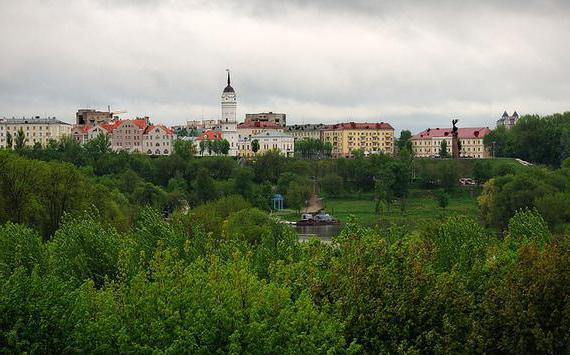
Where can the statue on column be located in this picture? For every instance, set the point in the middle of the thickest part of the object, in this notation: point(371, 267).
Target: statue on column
point(455, 143)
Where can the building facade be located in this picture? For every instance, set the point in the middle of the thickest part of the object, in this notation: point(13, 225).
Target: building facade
point(127, 135)
point(37, 130)
point(277, 118)
point(201, 124)
point(158, 140)
point(92, 117)
point(268, 140)
point(130, 135)
point(304, 131)
point(427, 144)
point(252, 128)
point(508, 121)
point(228, 123)
point(370, 138)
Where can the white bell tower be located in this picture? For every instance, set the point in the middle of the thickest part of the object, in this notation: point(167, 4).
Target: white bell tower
point(228, 122)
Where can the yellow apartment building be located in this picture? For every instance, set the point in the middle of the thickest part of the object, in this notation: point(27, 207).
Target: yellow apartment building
point(36, 129)
point(370, 138)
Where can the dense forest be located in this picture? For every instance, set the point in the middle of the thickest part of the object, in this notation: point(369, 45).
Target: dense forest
point(114, 252)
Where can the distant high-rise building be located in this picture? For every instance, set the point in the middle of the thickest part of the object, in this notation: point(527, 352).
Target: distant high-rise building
point(277, 118)
point(508, 121)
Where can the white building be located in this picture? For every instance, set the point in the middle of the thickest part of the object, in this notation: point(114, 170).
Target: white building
point(36, 129)
point(252, 128)
point(228, 123)
point(268, 140)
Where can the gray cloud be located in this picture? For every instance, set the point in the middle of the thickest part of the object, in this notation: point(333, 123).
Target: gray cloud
point(410, 63)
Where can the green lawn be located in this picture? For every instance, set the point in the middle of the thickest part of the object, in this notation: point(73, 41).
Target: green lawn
point(421, 206)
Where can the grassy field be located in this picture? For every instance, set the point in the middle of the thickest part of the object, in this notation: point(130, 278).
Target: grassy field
point(420, 206)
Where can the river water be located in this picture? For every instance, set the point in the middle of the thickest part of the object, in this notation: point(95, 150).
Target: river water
point(324, 233)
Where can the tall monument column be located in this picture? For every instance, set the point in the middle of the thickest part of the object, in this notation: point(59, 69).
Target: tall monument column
point(455, 143)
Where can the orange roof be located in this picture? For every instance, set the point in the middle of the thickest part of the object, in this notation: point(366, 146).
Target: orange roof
point(467, 132)
point(109, 127)
point(210, 135)
point(166, 129)
point(142, 124)
point(258, 124)
point(355, 125)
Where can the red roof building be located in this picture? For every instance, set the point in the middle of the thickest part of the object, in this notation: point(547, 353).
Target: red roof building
point(427, 143)
point(210, 135)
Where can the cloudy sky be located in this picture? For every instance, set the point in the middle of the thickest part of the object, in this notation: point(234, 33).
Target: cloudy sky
point(411, 63)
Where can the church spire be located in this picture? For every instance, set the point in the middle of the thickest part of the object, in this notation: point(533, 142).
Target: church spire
point(229, 87)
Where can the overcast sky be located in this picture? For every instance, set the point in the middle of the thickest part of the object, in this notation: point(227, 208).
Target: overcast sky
point(411, 63)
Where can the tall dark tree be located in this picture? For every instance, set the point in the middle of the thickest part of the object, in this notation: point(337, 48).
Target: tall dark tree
point(20, 141)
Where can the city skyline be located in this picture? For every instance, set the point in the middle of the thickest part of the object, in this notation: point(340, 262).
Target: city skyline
point(412, 65)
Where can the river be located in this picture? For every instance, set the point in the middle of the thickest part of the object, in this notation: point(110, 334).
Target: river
point(324, 233)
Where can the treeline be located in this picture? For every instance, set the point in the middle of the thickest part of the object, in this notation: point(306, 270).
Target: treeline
point(128, 181)
point(225, 278)
point(546, 190)
point(540, 140)
point(39, 194)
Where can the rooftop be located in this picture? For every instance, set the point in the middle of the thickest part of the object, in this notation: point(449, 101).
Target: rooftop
point(305, 127)
point(271, 134)
point(467, 132)
point(209, 135)
point(259, 124)
point(359, 125)
point(33, 120)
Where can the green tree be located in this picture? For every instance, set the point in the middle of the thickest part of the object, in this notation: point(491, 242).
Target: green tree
point(442, 199)
point(84, 249)
point(99, 146)
point(332, 184)
point(224, 147)
point(357, 153)
point(204, 186)
point(185, 149)
point(9, 140)
point(443, 152)
point(254, 146)
point(20, 140)
point(298, 194)
point(19, 187)
point(405, 140)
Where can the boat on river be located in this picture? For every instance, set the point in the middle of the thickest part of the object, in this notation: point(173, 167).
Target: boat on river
point(317, 219)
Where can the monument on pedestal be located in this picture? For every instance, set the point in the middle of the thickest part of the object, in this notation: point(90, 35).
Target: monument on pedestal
point(455, 143)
